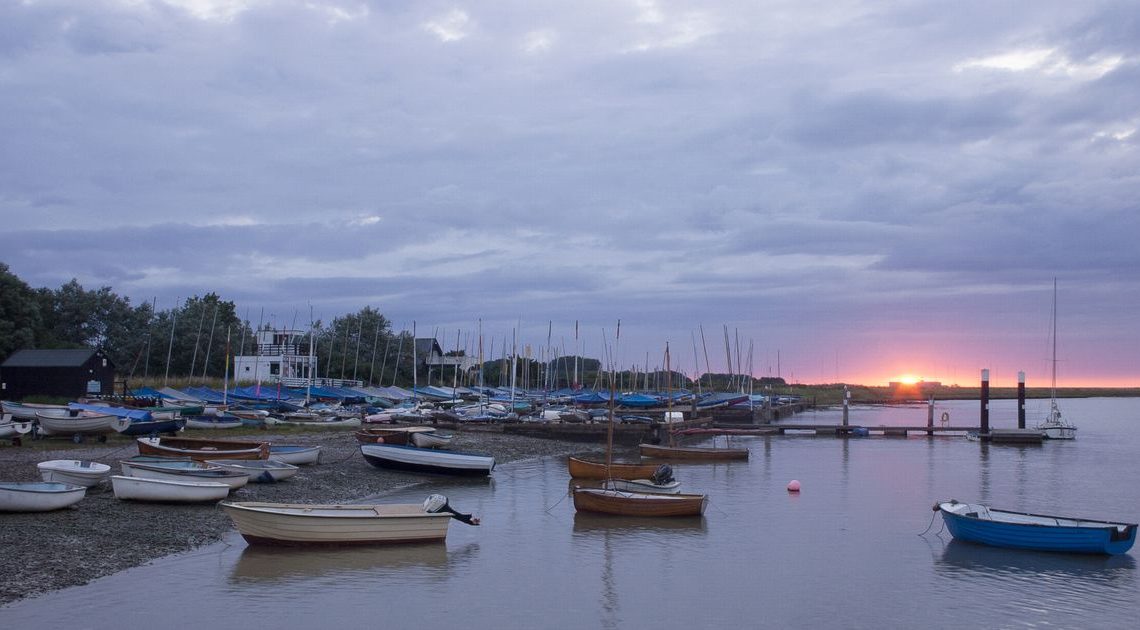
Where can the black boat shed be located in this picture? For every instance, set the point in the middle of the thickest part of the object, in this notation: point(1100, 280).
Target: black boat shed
point(58, 373)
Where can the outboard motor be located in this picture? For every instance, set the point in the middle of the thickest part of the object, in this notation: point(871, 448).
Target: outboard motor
point(663, 474)
point(438, 503)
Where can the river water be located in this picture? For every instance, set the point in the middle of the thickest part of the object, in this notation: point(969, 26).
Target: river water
point(844, 553)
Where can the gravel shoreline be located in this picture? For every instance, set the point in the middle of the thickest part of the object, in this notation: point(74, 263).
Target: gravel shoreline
point(102, 535)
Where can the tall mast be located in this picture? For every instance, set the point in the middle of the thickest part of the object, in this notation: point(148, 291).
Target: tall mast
point(1053, 386)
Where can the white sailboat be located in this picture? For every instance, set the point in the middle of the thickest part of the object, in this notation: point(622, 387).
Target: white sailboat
point(1054, 427)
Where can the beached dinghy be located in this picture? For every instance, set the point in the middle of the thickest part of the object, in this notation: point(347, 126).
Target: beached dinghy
point(300, 524)
point(427, 460)
point(74, 422)
point(296, 454)
point(38, 496)
point(201, 449)
point(74, 472)
point(432, 439)
point(259, 470)
point(186, 470)
point(167, 491)
point(10, 428)
point(1001, 528)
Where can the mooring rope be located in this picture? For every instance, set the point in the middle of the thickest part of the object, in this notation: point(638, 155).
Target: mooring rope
point(932, 516)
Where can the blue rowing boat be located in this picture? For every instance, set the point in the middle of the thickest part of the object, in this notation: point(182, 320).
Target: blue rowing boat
point(1001, 528)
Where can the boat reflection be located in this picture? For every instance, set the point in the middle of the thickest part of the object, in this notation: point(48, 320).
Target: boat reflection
point(270, 564)
point(587, 523)
point(967, 560)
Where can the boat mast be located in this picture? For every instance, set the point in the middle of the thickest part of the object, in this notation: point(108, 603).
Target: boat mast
point(1053, 385)
point(226, 379)
point(669, 395)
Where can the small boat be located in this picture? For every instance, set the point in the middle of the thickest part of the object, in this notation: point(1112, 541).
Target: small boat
point(1001, 528)
point(128, 426)
point(291, 524)
point(314, 421)
point(296, 454)
point(167, 491)
point(702, 453)
point(187, 470)
point(1054, 427)
point(202, 449)
point(416, 459)
point(432, 439)
point(38, 496)
point(26, 411)
point(74, 422)
point(662, 482)
point(621, 503)
point(259, 470)
point(11, 428)
point(389, 435)
point(74, 472)
point(213, 422)
point(586, 469)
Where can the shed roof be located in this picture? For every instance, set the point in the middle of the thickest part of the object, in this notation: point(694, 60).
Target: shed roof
point(48, 358)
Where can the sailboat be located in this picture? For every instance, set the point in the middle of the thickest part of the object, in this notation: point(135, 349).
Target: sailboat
point(672, 451)
point(611, 500)
point(1054, 427)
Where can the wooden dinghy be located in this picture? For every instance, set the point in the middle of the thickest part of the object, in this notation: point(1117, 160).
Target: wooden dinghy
point(167, 491)
point(38, 496)
point(183, 470)
point(701, 453)
point(415, 459)
point(620, 503)
point(1002, 528)
point(74, 472)
point(389, 435)
point(296, 454)
point(259, 470)
point(292, 524)
point(587, 469)
point(202, 449)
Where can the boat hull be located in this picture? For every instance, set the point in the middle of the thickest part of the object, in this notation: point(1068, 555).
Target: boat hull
point(259, 471)
point(618, 503)
point(61, 423)
point(167, 491)
point(295, 455)
point(323, 525)
point(143, 470)
point(127, 426)
point(74, 472)
point(710, 453)
point(36, 496)
point(1017, 530)
point(410, 458)
point(203, 449)
point(431, 440)
point(586, 469)
point(642, 485)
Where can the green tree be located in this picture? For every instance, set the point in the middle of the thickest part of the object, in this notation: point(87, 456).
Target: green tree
point(20, 318)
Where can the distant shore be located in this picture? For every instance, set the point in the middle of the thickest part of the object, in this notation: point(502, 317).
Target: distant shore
point(102, 535)
point(825, 395)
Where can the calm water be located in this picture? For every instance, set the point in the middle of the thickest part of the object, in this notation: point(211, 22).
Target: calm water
point(844, 553)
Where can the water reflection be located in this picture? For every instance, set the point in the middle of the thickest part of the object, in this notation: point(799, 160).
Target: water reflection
point(271, 565)
point(967, 560)
point(588, 524)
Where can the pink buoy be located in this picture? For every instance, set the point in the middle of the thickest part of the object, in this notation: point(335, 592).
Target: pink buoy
point(794, 485)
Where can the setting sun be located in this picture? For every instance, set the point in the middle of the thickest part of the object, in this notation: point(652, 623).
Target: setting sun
point(907, 379)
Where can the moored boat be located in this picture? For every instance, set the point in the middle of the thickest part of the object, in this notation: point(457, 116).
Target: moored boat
point(587, 469)
point(74, 472)
point(617, 502)
point(291, 524)
point(202, 449)
point(296, 454)
point(1002, 528)
point(416, 459)
point(701, 453)
point(187, 470)
point(259, 470)
point(38, 496)
point(166, 490)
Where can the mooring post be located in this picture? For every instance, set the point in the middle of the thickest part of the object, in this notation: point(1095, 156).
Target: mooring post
point(1021, 400)
point(846, 397)
point(985, 402)
point(930, 416)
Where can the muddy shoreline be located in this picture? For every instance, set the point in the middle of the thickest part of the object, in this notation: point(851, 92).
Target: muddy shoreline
point(102, 535)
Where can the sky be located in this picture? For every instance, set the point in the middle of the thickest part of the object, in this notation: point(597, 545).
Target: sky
point(857, 191)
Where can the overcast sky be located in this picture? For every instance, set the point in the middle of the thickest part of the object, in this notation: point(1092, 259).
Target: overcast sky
point(856, 190)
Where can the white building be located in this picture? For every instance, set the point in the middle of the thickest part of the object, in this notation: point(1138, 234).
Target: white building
point(278, 356)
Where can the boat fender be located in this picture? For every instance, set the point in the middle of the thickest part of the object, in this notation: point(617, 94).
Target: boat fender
point(945, 417)
point(438, 503)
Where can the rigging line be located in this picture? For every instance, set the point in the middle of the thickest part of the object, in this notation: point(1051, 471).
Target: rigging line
point(556, 504)
point(931, 524)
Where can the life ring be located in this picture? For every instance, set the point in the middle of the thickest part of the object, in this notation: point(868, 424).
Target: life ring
point(945, 417)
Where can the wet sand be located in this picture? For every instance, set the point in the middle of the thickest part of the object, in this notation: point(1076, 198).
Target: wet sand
point(102, 535)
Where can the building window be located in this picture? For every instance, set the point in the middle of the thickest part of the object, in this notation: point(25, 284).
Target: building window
point(274, 368)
